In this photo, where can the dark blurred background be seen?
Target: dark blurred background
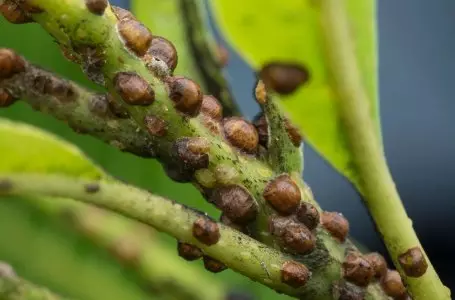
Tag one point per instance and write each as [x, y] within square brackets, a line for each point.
[416, 84]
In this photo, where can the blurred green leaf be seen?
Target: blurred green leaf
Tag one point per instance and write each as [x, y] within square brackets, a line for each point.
[292, 31]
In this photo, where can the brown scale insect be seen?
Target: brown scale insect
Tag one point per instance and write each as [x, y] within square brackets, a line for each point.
[393, 285]
[55, 87]
[164, 50]
[284, 78]
[192, 153]
[136, 36]
[293, 133]
[122, 14]
[241, 134]
[134, 89]
[262, 127]
[10, 63]
[357, 269]
[188, 251]
[186, 95]
[260, 93]
[211, 107]
[413, 262]
[13, 13]
[213, 265]
[99, 105]
[155, 126]
[29, 8]
[206, 231]
[6, 99]
[96, 7]
[378, 263]
[293, 236]
[308, 215]
[294, 274]
[236, 203]
[283, 194]
[335, 224]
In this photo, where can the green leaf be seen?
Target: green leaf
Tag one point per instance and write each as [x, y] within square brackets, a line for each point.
[293, 31]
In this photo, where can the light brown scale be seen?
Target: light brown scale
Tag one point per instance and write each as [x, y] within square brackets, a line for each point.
[191, 153]
[122, 14]
[283, 194]
[186, 95]
[189, 252]
[293, 133]
[357, 269]
[10, 63]
[335, 224]
[236, 203]
[155, 126]
[164, 50]
[133, 89]
[293, 236]
[260, 93]
[14, 14]
[413, 262]
[378, 263]
[206, 231]
[393, 285]
[241, 134]
[308, 215]
[211, 107]
[284, 78]
[294, 274]
[136, 36]
[96, 7]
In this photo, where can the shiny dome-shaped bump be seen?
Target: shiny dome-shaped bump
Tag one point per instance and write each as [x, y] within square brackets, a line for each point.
[122, 14]
[378, 263]
[260, 93]
[236, 203]
[294, 274]
[155, 126]
[13, 13]
[284, 78]
[206, 231]
[191, 153]
[293, 133]
[241, 134]
[357, 269]
[336, 224]
[294, 237]
[413, 262]
[96, 7]
[188, 252]
[283, 194]
[6, 99]
[213, 265]
[10, 63]
[308, 215]
[393, 285]
[133, 89]
[262, 127]
[186, 95]
[164, 50]
[211, 107]
[136, 36]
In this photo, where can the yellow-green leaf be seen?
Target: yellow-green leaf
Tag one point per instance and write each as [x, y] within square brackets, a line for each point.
[293, 31]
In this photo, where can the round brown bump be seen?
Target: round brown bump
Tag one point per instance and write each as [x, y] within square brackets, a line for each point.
[378, 263]
[213, 265]
[357, 269]
[122, 14]
[236, 203]
[96, 6]
[283, 194]
[293, 133]
[188, 251]
[393, 285]
[137, 37]
[262, 127]
[164, 50]
[223, 56]
[155, 126]
[186, 95]
[284, 78]
[206, 231]
[92, 188]
[260, 93]
[211, 107]
[413, 262]
[6, 99]
[134, 89]
[56, 87]
[10, 63]
[293, 236]
[335, 224]
[192, 153]
[294, 274]
[308, 215]
[241, 134]
[13, 13]
[99, 105]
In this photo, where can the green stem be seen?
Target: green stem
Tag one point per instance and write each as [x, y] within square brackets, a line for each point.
[376, 183]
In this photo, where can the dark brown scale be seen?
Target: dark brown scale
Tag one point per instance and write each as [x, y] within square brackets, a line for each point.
[155, 126]
[206, 231]
[96, 7]
[293, 133]
[308, 215]
[211, 107]
[357, 269]
[241, 134]
[133, 89]
[13, 13]
[335, 224]
[393, 285]
[236, 203]
[192, 153]
[378, 263]
[29, 8]
[211, 124]
[6, 99]
[164, 50]
[186, 95]
[294, 274]
[122, 14]
[92, 188]
[213, 265]
[283, 194]
[137, 37]
[58, 88]
[294, 237]
[10, 63]
[99, 105]
[260, 122]
[413, 262]
[284, 78]
[188, 251]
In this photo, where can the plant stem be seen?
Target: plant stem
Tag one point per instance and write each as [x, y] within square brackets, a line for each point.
[376, 183]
